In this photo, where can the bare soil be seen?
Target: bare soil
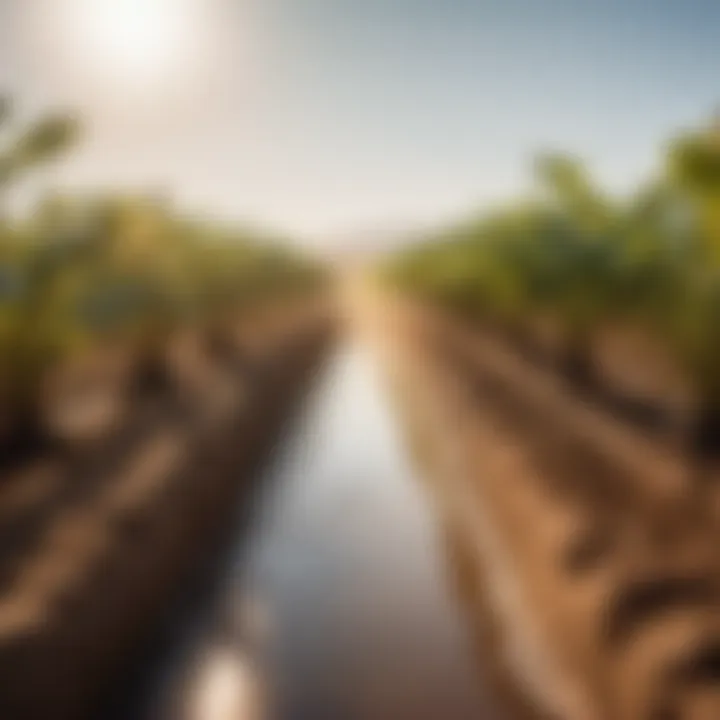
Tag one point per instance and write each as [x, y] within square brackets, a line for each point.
[586, 549]
[95, 541]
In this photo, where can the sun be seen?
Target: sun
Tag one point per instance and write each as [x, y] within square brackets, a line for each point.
[137, 39]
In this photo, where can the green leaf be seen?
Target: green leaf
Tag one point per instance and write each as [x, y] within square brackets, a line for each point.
[46, 139]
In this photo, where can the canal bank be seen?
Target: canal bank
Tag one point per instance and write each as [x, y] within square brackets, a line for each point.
[110, 566]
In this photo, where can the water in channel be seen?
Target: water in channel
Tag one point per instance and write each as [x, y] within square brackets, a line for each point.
[337, 605]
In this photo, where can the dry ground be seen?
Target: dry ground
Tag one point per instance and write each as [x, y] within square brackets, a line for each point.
[94, 541]
[588, 552]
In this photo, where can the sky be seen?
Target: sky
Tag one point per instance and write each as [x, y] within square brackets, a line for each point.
[335, 119]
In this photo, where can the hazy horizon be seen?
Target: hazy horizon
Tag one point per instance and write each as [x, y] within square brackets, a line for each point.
[328, 118]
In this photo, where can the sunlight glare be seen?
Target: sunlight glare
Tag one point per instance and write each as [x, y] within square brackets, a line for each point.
[139, 39]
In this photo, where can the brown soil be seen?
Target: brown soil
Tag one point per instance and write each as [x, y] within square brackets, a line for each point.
[591, 548]
[96, 542]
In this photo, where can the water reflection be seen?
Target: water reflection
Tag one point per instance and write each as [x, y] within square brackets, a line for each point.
[339, 598]
[226, 688]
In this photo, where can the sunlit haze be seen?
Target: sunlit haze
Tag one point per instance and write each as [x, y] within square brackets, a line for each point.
[138, 39]
[332, 119]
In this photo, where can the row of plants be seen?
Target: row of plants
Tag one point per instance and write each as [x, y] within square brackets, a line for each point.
[577, 256]
[78, 272]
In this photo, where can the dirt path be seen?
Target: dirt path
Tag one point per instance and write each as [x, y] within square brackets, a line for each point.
[93, 550]
[597, 563]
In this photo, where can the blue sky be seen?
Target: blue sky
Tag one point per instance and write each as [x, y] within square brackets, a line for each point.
[323, 117]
